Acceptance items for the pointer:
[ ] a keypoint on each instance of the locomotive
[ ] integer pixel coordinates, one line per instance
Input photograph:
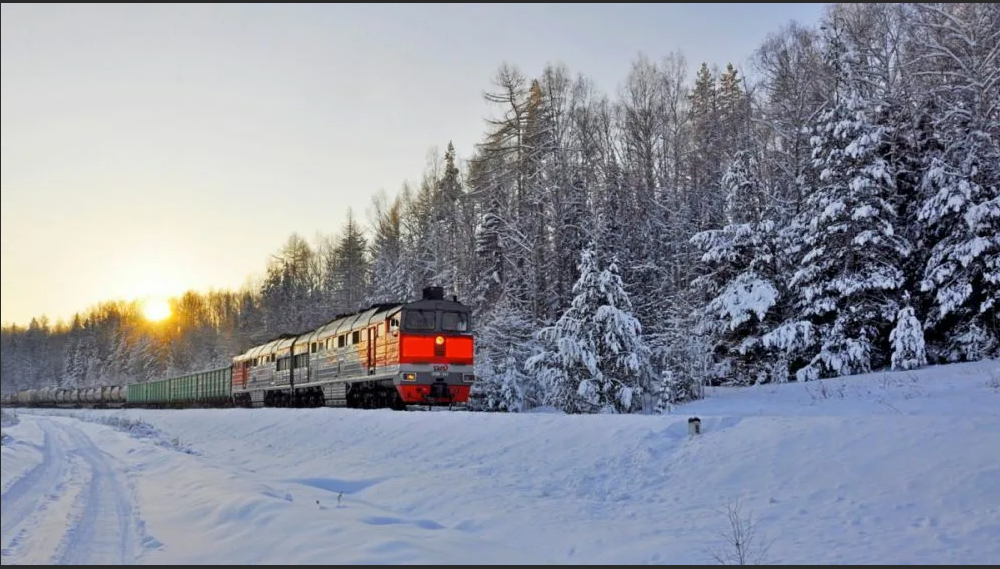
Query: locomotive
(390, 355)
(393, 355)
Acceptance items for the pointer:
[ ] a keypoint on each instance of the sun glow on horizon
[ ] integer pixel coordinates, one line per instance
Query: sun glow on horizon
(156, 309)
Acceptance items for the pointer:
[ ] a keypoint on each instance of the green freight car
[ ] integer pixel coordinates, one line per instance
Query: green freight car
(211, 388)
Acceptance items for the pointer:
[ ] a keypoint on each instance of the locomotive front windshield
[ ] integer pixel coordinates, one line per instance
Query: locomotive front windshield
(454, 321)
(420, 320)
(427, 320)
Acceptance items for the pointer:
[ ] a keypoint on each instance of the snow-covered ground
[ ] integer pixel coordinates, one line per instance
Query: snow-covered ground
(883, 468)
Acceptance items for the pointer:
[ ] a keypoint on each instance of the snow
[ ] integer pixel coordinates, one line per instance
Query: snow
(745, 296)
(886, 468)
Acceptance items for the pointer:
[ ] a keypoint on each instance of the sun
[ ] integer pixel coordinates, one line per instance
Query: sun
(156, 309)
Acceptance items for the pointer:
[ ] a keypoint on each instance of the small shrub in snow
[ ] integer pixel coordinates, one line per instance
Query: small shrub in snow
(742, 542)
(140, 429)
(132, 426)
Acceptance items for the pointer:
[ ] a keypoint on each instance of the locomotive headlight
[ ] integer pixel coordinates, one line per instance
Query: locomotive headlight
(409, 377)
(439, 340)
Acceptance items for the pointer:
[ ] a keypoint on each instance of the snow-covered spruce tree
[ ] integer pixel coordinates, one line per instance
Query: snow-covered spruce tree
(672, 390)
(390, 276)
(685, 355)
(594, 358)
(742, 280)
(907, 340)
(961, 213)
(503, 344)
(747, 198)
(512, 382)
(849, 281)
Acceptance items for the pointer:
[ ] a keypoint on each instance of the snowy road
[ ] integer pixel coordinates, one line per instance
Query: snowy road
(78, 492)
(72, 508)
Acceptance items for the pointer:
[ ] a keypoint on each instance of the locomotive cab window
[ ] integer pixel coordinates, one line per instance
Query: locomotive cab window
(454, 321)
(420, 320)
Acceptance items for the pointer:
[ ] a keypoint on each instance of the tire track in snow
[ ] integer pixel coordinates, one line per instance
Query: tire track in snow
(31, 495)
(103, 529)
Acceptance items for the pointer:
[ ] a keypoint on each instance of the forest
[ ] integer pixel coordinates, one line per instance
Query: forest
(837, 214)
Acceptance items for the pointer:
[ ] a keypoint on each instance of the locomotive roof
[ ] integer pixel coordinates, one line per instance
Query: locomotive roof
(432, 300)
(425, 304)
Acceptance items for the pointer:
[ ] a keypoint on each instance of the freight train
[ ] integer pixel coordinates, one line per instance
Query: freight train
(396, 355)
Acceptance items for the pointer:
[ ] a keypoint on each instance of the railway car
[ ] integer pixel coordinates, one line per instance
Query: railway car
(390, 355)
(210, 388)
(104, 397)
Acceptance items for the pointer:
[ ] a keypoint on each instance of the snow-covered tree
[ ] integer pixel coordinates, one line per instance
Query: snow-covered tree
(503, 344)
(348, 269)
(849, 280)
(665, 399)
(961, 214)
(744, 295)
(747, 199)
(391, 279)
(741, 280)
(512, 382)
(489, 262)
(907, 340)
(673, 390)
(596, 346)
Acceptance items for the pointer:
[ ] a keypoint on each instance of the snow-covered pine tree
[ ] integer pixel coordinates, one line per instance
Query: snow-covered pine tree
(504, 342)
(513, 383)
(665, 400)
(907, 340)
(596, 346)
(76, 354)
(962, 217)
(742, 281)
(489, 256)
(849, 281)
(390, 276)
(747, 199)
(674, 389)
(961, 213)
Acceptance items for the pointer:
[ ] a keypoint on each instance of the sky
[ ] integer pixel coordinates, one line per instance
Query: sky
(147, 150)
(879, 469)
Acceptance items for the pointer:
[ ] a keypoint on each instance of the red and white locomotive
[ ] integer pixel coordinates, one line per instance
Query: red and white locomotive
(390, 355)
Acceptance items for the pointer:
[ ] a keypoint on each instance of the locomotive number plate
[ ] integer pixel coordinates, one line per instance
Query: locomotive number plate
(440, 368)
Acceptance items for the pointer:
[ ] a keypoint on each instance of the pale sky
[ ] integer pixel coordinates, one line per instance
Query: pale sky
(153, 149)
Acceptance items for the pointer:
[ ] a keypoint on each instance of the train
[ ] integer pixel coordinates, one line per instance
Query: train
(402, 355)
